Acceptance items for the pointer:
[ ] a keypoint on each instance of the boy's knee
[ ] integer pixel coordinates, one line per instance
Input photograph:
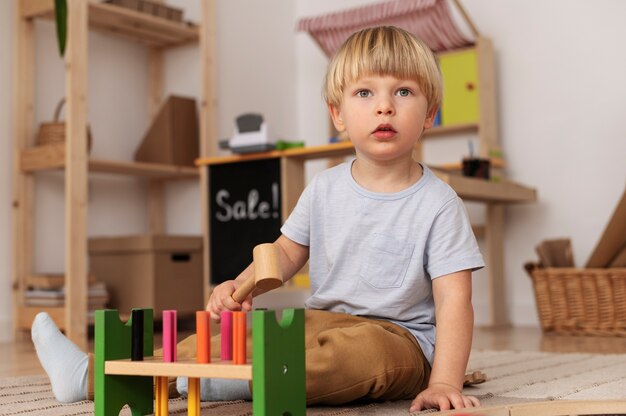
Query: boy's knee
(365, 360)
(375, 344)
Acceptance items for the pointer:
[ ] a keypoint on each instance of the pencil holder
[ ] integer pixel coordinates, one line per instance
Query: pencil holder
(476, 168)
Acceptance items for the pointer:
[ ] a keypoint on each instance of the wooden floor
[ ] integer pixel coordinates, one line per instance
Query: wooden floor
(18, 358)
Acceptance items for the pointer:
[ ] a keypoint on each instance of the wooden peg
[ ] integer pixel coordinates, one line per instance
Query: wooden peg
(161, 399)
(227, 335)
(169, 336)
(193, 396)
(137, 335)
(203, 337)
(239, 337)
(267, 272)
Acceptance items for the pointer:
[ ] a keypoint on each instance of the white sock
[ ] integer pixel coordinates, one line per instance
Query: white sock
(65, 364)
(217, 389)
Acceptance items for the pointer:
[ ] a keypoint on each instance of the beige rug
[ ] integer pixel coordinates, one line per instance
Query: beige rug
(513, 377)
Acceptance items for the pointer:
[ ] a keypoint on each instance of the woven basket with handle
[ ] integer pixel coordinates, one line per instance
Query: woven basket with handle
(54, 132)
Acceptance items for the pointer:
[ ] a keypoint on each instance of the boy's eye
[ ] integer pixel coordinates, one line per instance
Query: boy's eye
(363, 93)
(404, 92)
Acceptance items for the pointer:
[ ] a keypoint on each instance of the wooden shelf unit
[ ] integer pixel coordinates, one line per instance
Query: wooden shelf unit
(157, 34)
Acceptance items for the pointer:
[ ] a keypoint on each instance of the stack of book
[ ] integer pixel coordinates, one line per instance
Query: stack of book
(97, 294)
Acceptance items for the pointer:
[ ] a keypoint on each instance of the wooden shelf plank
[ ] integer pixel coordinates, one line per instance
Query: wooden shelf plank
(52, 281)
(455, 129)
(304, 153)
(36, 8)
(123, 22)
(141, 27)
(26, 315)
(480, 190)
(46, 157)
(328, 150)
(479, 231)
(49, 157)
(150, 170)
(470, 189)
(153, 366)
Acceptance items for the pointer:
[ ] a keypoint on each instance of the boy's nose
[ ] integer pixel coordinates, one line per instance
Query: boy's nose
(384, 108)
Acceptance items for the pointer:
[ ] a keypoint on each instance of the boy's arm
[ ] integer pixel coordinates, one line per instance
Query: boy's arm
(293, 257)
(455, 321)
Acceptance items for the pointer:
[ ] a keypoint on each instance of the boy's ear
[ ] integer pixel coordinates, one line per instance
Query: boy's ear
(429, 122)
(335, 115)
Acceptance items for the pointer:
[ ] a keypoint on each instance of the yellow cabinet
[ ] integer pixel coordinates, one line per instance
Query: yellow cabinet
(460, 88)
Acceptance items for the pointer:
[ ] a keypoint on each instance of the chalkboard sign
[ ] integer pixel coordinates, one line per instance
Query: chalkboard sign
(244, 210)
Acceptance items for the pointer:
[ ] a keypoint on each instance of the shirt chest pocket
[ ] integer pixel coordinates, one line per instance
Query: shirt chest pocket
(385, 261)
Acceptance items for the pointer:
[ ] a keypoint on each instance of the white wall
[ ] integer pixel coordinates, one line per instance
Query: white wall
(255, 73)
(562, 99)
(561, 96)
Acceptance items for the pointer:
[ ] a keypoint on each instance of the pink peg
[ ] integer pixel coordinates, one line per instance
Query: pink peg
(169, 336)
(226, 318)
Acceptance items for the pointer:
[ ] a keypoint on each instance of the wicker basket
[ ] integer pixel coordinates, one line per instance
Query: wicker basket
(581, 301)
(54, 132)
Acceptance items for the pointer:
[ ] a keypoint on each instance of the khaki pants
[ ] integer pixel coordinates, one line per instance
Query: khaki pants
(349, 358)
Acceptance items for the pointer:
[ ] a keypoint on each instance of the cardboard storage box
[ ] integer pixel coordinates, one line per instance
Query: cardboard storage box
(160, 272)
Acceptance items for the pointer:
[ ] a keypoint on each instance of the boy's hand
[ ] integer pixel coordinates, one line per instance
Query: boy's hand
(443, 397)
(221, 300)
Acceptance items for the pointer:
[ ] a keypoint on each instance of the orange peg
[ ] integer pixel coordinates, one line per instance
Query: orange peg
(203, 337)
(239, 337)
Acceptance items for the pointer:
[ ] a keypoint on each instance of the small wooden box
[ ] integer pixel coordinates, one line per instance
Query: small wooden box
(160, 272)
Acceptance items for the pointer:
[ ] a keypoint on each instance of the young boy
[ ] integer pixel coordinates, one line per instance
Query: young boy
(389, 245)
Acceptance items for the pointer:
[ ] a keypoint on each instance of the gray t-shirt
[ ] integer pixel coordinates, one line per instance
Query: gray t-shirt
(374, 254)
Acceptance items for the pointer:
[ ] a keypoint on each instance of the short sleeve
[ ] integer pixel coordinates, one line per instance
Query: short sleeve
(298, 225)
(451, 245)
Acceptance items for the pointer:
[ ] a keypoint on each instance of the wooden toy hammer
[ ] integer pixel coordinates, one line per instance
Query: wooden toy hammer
(267, 272)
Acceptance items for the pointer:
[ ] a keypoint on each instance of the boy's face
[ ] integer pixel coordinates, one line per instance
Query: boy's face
(383, 115)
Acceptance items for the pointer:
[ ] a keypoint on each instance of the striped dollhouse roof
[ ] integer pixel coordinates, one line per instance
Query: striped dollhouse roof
(429, 20)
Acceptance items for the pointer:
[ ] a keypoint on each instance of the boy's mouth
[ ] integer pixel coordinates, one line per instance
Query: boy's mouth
(384, 131)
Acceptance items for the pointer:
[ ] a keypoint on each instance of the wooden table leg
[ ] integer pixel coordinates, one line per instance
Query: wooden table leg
(494, 241)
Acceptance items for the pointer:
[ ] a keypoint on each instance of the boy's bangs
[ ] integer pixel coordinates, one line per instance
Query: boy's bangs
(384, 51)
(380, 62)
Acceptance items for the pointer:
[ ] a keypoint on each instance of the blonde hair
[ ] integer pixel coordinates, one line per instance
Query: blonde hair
(384, 50)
